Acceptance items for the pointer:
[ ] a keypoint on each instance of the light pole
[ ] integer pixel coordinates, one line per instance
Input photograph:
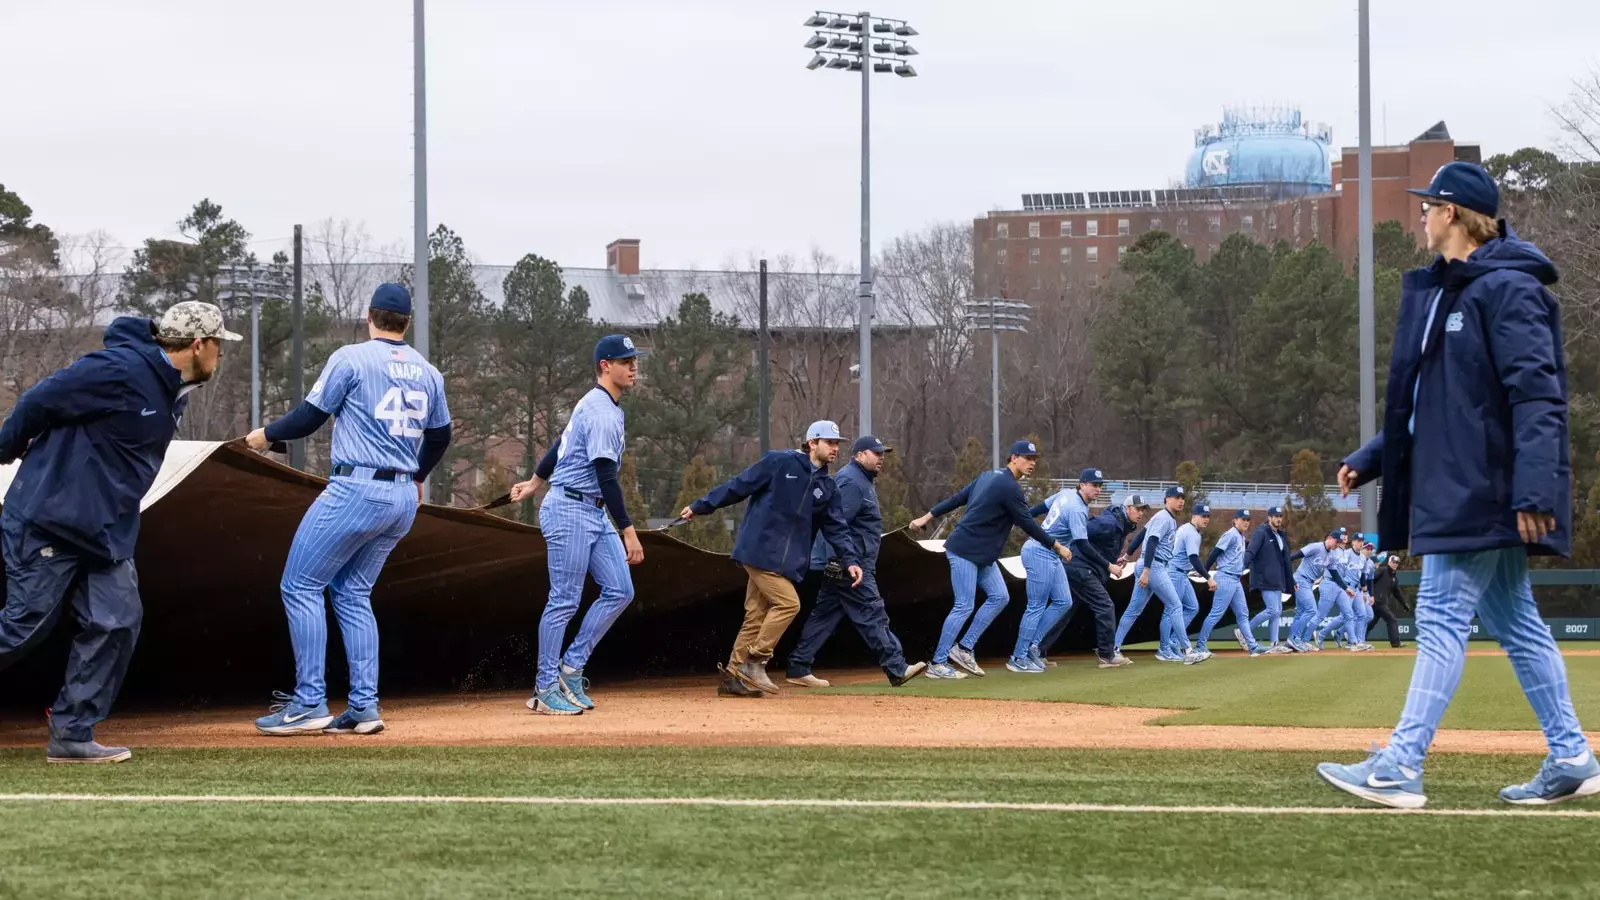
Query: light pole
(860, 42)
(995, 315)
(251, 282)
(1364, 274)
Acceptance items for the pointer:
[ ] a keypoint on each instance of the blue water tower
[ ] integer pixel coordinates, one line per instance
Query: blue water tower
(1266, 146)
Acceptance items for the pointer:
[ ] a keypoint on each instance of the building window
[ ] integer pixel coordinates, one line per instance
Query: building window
(1000, 256)
(1248, 223)
(1122, 253)
(1038, 282)
(1183, 224)
(1066, 256)
(1155, 224)
(1314, 230)
(1033, 256)
(1214, 224)
(1092, 254)
(1272, 221)
(1033, 229)
(1094, 227)
(1297, 223)
(1094, 279)
(1124, 227)
(1066, 228)
(1002, 231)
(797, 365)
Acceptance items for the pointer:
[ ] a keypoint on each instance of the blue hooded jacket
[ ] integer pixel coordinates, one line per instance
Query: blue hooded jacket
(1490, 437)
(858, 500)
(92, 437)
(790, 500)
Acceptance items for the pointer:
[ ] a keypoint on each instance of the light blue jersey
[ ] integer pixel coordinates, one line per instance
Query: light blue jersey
(1231, 549)
(1067, 520)
(1314, 562)
(1162, 527)
(383, 394)
(594, 432)
(1185, 542)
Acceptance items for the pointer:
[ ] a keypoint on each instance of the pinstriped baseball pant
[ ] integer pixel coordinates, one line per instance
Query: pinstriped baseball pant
(579, 540)
(341, 545)
(1494, 585)
(1228, 595)
(965, 577)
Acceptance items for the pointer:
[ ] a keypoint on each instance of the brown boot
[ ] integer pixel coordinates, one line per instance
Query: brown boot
(730, 686)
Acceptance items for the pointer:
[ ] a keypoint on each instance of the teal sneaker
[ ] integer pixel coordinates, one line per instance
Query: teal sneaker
(552, 701)
(357, 721)
(1557, 782)
(1376, 780)
(288, 717)
(575, 686)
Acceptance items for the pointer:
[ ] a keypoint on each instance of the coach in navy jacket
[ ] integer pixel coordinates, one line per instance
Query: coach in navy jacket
(92, 437)
(1491, 416)
(1267, 556)
(791, 499)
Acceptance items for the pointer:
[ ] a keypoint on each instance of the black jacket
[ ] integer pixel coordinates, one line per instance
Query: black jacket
(92, 437)
(1491, 432)
(1268, 560)
(1386, 588)
(858, 501)
(994, 504)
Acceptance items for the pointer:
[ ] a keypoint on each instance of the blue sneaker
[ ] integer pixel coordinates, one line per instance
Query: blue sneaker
(552, 701)
(1376, 780)
(1024, 666)
(1164, 656)
(575, 686)
(1258, 650)
(1316, 639)
(357, 721)
(288, 717)
(1038, 658)
(1556, 782)
(944, 671)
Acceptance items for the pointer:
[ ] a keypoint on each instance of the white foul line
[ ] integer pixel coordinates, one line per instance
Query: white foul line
(795, 803)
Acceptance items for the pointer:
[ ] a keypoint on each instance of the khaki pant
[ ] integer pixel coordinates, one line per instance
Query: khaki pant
(770, 604)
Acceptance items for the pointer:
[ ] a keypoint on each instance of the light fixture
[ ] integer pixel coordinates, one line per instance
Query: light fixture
(855, 65)
(882, 67)
(882, 48)
(817, 62)
(882, 27)
(839, 62)
(905, 50)
(855, 26)
(817, 22)
(905, 71)
(838, 22)
(905, 30)
(855, 46)
(839, 43)
(817, 41)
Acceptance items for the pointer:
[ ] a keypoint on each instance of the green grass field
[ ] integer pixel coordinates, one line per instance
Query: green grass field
(273, 849)
(1330, 689)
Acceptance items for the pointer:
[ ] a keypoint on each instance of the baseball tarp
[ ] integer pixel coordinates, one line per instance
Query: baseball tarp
(458, 603)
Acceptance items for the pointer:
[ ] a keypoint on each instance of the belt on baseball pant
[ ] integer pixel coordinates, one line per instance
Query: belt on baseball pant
(368, 473)
(571, 494)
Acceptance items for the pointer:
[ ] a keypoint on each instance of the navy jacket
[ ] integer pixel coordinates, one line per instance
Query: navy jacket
(858, 502)
(1491, 408)
(994, 503)
(92, 437)
(1108, 532)
(1268, 563)
(790, 501)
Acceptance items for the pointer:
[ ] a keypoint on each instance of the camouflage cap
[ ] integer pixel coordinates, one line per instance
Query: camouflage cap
(192, 320)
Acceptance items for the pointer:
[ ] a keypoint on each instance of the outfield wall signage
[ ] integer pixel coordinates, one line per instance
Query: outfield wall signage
(1561, 629)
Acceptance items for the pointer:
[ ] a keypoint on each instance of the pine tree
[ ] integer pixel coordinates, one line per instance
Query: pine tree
(892, 492)
(972, 461)
(708, 532)
(1194, 492)
(628, 475)
(1308, 513)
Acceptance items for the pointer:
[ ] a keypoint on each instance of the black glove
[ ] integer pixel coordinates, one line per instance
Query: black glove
(834, 571)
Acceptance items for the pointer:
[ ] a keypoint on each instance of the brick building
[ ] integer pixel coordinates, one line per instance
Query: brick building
(1059, 241)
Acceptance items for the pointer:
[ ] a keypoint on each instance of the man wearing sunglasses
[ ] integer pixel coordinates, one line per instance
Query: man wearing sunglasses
(1477, 477)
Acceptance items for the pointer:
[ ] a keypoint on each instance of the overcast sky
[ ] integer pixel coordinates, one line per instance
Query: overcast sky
(693, 125)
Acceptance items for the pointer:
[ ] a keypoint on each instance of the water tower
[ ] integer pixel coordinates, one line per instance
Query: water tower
(1267, 146)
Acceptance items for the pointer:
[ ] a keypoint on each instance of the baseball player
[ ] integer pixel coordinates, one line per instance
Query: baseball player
(581, 470)
(863, 605)
(1267, 561)
(994, 504)
(1228, 592)
(91, 438)
(1316, 561)
(791, 498)
(1475, 460)
(391, 428)
(1109, 533)
(1186, 559)
(1346, 562)
(1158, 549)
(1350, 627)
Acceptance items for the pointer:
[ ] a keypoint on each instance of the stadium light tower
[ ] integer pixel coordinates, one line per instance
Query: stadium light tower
(1364, 263)
(861, 42)
(995, 315)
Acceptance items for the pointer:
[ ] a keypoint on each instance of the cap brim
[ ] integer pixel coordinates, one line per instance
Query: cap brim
(628, 355)
(230, 336)
(1428, 194)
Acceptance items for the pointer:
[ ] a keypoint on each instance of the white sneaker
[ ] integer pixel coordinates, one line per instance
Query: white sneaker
(809, 680)
(963, 659)
(944, 671)
(1193, 656)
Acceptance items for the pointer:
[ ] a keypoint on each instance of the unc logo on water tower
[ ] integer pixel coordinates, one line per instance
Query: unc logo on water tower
(1215, 162)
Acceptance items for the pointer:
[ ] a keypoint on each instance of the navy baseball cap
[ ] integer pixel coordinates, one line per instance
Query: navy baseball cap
(391, 297)
(1202, 509)
(1024, 448)
(870, 442)
(615, 346)
(1091, 476)
(1274, 510)
(1175, 492)
(1466, 185)
(1336, 534)
(1242, 514)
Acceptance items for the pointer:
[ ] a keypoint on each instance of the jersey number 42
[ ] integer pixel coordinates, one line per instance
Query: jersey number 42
(405, 411)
